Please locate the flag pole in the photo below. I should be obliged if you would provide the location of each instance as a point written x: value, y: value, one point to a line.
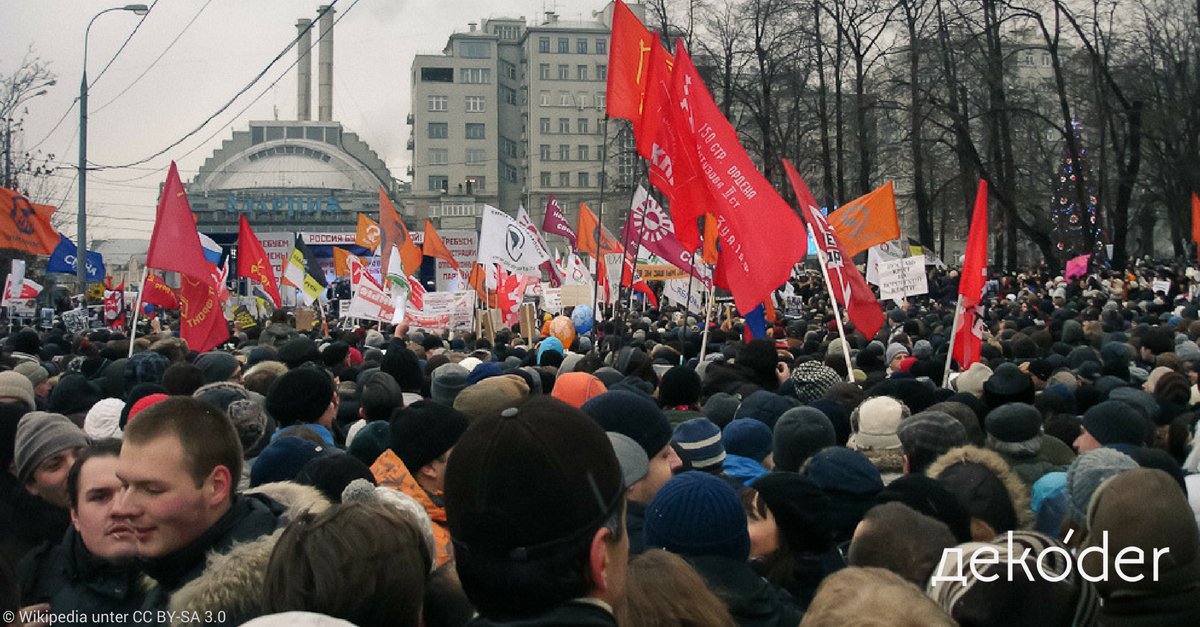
x: 837, y: 316
x: 707, y: 317
x: 137, y: 309
x: 953, y: 334
x: 600, y: 220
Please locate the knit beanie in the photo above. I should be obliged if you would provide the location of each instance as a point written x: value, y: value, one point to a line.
x: 41, y: 435
x: 800, y: 432
x: 699, y: 441
x: 577, y: 388
x: 297, y: 352
x: 1115, y: 422
x: 446, y: 382
x: 894, y: 349
x: 371, y: 441
x: 16, y: 385
x: 973, y: 379
x: 32, y: 371
x: 811, y: 379
x: 633, y: 415
x: 250, y: 421
x: 840, y: 470
x: 747, y: 437
x: 632, y: 459
x: 801, y: 510
x: 144, y: 402
x: 491, y: 395
x: 765, y: 406
x: 332, y: 473
x: 1014, y: 422
x: 1085, y: 475
x: 874, y: 423
x: 103, y: 420
x: 300, y: 396
x: 679, y: 386
x: 722, y: 407
x: 424, y: 431
x: 147, y: 367
x: 696, y: 514
x: 217, y: 366
x: 1139, y: 399
x: 931, y: 431
x: 283, y: 459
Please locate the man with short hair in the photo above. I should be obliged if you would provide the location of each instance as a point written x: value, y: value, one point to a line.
x: 304, y: 396
x: 535, y: 505
x: 179, y: 468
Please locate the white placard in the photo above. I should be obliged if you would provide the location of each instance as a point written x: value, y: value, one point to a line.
x: 901, y: 278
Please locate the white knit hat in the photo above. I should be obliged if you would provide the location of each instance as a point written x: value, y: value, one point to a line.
x: 103, y: 420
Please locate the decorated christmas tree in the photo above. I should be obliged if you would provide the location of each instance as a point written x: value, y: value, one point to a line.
x: 1077, y: 228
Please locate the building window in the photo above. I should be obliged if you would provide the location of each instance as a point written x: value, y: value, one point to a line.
x: 543, y: 44
x: 583, y: 153
x: 475, y: 50
x: 581, y: 46
x: 564, y: 152
x: 564, y: 45
x: 544, y: 152
x: 581, y: 72
x: 476, y: 156
x: 544, y: 125
x: 583, y: 125
x: 476, y: 75
x: 564, y: 125
x: 545, y: 179
x: 508, y: 95
x: 544, y: 71
x: 475, y: 131
x: 601, y: 72
x: 601, y: 46
x: 600, y: 101
x: 439, y: 156
x: 508, y: 173
x: 564, y: 179
x: 582, y: 180
x: 474, y: 104
x: 437, y: 75
x: 508, y: 147
x: 564, y: 99
x: 1029, y: 58
x: 544, y: 98
x: 581, y: 99
x: 439, y: 183
x: 1046, y: 59
x: 508, y: 70
x: 475, y: 184
x: 438, y: 130
x: 564, y: 72
x: 439, y: 103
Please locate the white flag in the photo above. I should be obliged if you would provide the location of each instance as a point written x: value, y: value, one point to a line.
x: 502, y: 240
x: 576, y: 272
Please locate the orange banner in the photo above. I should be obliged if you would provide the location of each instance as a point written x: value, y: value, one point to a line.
x: 26, y: 226
x: 867, y: 221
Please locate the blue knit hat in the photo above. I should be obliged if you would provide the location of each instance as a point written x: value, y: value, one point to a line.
x: 633, y: 415
x: 700, y: 441
x: 698, y: 514
x: 747, y: 437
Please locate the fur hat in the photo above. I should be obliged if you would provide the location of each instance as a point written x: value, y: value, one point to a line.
x: 874, y: 423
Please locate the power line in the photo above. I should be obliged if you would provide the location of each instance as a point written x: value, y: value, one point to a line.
x: 123, y: 44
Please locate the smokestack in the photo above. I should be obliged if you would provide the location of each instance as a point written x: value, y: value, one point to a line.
x: 325, y: 66
x: 304, y: 72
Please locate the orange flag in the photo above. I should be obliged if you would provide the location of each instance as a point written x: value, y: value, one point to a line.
x: 710, y: 239
x: 867, y: 221
x: 26, y: 226
x: 394, y: 233
x: 590, y: 231
x: 477, y: 280
x: 433, y: 246
x: 341, y: 261
x: 368, y: 233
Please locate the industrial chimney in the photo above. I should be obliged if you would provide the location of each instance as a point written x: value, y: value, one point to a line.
x: 304, y: 72
x: 325, y: 66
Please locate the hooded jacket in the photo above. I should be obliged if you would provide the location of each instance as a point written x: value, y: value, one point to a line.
x: 1017, y: 491
x: 390, y: 472
x: 751, y: 600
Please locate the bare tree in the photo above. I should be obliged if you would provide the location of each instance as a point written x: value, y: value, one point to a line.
x: 24, y: 171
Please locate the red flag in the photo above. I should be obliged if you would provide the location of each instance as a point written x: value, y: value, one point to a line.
x: 761, y: 236
x: 628, y: 54
x: 175, y: 246
x: 509, y: 294
x: 555, y: 222
x: 433, y: 246
x: 845, y: 281
x: 253, y: 262
x: 394, y: 233
x: 658, y: 98
x: 1196, y: 220
x: 593, y: 236
x: 155, y: 291
x: 970, y: 286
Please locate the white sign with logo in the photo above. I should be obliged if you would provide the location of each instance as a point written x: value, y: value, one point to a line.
x: 444, y: 310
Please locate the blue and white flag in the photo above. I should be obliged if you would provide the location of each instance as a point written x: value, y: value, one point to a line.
x: 63, y: 260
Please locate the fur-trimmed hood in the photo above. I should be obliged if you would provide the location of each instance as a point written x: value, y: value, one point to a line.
x: 233, y: 581
x: 1018, y: 492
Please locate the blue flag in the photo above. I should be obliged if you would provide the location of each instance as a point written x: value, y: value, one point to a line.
x: 63, y: 260
x: 756, y: 323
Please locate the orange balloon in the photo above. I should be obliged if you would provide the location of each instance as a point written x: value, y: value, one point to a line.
x: 562, y: 328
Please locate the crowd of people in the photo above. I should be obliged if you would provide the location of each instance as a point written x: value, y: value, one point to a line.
x: 385, y: 475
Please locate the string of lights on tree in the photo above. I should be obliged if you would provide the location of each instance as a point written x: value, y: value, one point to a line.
x: 1076, y: 224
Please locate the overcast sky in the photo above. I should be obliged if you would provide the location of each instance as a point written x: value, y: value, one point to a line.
x: 229, y: 43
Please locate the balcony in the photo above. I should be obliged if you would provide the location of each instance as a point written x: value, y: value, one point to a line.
x: 409, y: 120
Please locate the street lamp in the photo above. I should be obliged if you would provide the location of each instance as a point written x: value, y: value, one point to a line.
x: 20, y: 98
x: 81, y: 244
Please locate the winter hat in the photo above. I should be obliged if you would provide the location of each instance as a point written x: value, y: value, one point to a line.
x: 632, y: 415
x: 679, y: 386
x: 811, y: 379
x: 41, y: 435
x: 424, y: 431
x: 33, y: 371
x: 371, y: 441
x: 922, y: 349
x: 765, y: 406
x: 1085, y: 475
x: 800, y: 432
x: 300, y: 396
x: 297, y: 352
x: 1065, y: 379
x: 839, y: 469
x: 1115, y: 422
x: 874, y: 423
x: 577, y: 388
x: 332, y: 473
x: 973, y: 379
x: 217, y: 366
x: 894, y: 349
x: 221, y: 394
x: 747, y: 437
x: 144, y: 402
x: 18, y: 386
x: 837, y: 414
x: 630, y: 456
x: 971, y: 477
x: 801, y: 510
x: 491, y: 395
x: 1014, y: 422
x: 931, y: 498
x: 696, y: 514
x: 283, y: 459
x: 481, y: 371
x: 147, y: 367
x: 552, y: 344
x: 492, y: 509
x: 74, y: 394
x: 298, y: 619
x: 722, y: 407
x: 931, y: 431
x: 699, y: 440
x: 1008, y: 385
x: 446, y: 382
x: 1140, y: 399
x: 608, y: 375
x: 103, y: 420
x: 374, y: 339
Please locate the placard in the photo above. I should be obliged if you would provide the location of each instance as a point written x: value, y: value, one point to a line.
x: 76, y: 320
x: 575, y: 295
x: 304, y: 319
x: 901, y: 278
x: 552, y: 299
x: 242, y: 314
x: 1160, y: 285
x: 444, y: 310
